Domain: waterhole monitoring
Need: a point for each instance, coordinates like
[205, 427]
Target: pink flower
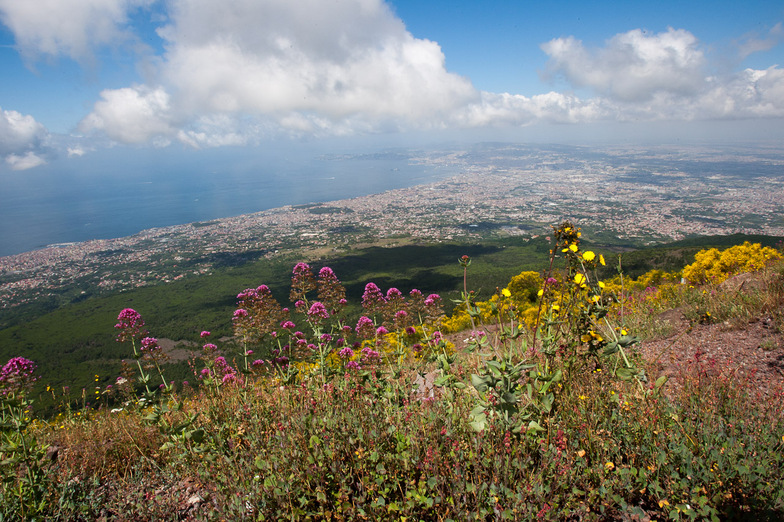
[327, 273]
[352, 365]
[204, 334]
[370, 354]
[240, 313]
[372, 297]
[302, 269]
[318, 311]
[346, 353]
[130, 324]
[381, 331]
[432, 299]
[17, 374]
[288, 325]
[149, 344]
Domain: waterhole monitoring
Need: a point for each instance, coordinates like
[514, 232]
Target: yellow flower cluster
[715, 266]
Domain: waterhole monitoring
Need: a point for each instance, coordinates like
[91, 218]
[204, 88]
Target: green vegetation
[553, 416]
[73, 342]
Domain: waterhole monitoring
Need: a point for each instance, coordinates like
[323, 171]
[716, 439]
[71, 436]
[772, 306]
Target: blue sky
[83, 76]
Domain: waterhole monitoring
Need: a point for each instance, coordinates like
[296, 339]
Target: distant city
[622, 195]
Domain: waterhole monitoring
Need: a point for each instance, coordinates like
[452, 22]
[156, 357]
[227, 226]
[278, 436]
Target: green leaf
[611, 349]
[534, 427]
[624, 374]
[480, 383]
[547, 402]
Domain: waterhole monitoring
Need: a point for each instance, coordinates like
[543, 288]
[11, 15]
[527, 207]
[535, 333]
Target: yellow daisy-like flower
[589, 256]
[579, 279]
[573, 248]
[506, 293]
[601, 260]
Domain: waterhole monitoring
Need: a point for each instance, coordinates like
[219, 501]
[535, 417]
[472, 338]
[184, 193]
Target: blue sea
[120, 192]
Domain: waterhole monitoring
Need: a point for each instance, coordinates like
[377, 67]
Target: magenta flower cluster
[318, 311]
[17, 375]
[130, 324]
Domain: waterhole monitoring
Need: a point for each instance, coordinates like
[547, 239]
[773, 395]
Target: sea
[118, 193]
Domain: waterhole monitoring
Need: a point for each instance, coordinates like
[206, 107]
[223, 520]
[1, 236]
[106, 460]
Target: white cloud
[132, 114]
[239, 71]
[28, 160]
[21, 140]
[515, 110]
[297, 67]
[69, 28]
[632, 66]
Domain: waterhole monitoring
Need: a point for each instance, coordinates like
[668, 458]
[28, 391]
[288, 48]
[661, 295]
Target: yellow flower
[601, 285]
[609, 466]
[601, 259]
[506, 293]
[540, 293]
[573, 248]
[579, 279]
[589, 256]
[623, 332]
[581, 453]
[556, 308]
[663, 503]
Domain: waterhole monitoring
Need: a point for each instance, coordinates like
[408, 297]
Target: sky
[82, 77]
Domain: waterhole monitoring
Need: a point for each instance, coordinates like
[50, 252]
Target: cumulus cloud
[132, 114]
[68, 28]
[21, 140]
[632, 66]
[302, 67]
[641, 76]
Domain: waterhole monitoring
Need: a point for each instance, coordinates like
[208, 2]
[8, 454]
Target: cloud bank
[239, 71]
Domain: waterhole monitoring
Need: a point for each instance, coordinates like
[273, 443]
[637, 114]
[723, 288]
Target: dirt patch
[754, 352]
[177, 350]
